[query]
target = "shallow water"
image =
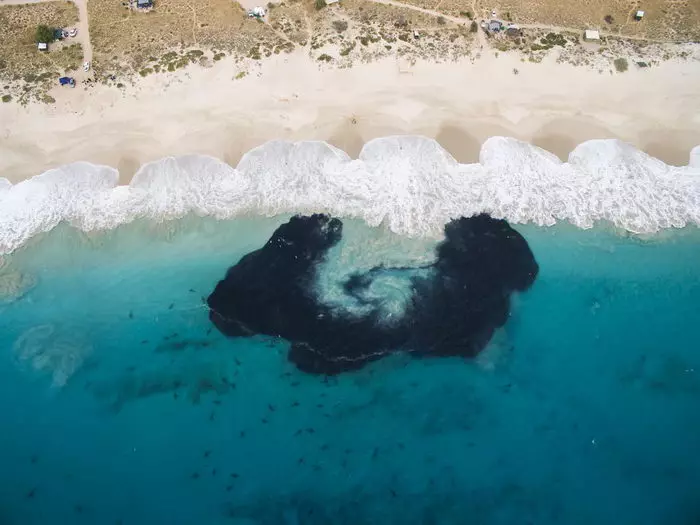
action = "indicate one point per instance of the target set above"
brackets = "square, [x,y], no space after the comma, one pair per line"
[121,404]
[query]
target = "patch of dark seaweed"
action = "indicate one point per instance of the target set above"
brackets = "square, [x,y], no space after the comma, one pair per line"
[453,311]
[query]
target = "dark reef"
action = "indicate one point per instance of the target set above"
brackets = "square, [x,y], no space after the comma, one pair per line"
[454,308]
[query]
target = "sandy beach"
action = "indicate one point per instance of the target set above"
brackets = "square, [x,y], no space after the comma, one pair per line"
[210,111]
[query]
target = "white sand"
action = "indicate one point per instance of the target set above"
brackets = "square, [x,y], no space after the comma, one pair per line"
[208,111]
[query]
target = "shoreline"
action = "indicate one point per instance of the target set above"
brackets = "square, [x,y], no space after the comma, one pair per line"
[208,111]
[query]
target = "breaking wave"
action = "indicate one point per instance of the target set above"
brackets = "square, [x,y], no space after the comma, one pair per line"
[409,183]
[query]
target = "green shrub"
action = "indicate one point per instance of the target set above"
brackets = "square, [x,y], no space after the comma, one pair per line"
[325,58]
[254,53]
[320,4]
[621,65]
[7,98]
[553,39]
[44,34]
[473,27]
[441,20]
[346,50]
[340,25]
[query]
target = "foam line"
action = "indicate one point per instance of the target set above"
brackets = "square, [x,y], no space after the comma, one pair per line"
[409,183]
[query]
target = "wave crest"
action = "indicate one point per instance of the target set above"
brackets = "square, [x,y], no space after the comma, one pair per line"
[409,183]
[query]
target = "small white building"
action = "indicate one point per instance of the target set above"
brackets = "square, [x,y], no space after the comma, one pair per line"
[639,15]
[42,46]
[591,35]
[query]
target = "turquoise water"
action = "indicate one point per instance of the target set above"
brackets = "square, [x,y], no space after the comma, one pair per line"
[121,404]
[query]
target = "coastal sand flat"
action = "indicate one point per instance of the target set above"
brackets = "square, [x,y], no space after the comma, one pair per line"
[209,111]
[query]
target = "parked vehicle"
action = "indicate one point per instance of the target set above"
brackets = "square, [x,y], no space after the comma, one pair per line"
[67,81]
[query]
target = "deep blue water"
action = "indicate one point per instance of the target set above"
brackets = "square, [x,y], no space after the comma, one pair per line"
[120,404]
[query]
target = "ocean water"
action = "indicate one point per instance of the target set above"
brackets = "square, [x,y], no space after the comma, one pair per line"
[121,403]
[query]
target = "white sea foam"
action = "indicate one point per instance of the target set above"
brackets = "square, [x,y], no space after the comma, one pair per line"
[408,183]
